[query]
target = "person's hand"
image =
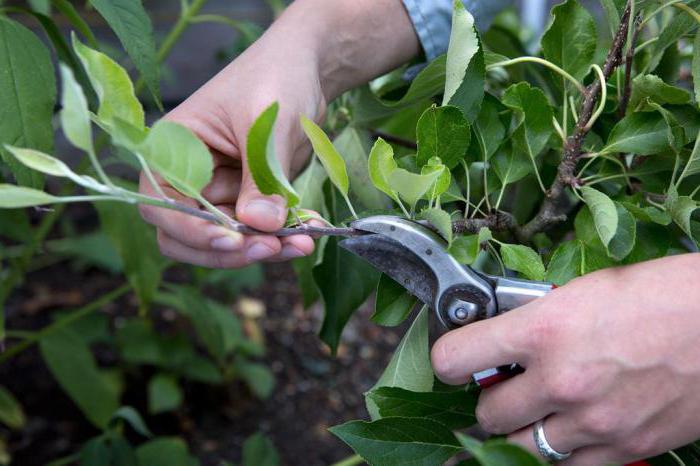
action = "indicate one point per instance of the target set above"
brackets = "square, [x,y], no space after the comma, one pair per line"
[612,364]
[314,52]
[221,113]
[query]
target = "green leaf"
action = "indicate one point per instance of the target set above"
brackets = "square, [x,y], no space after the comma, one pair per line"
[75,116]
[258,377]
[332,276]
[165,451]
[511,165]
[398,441]
[639,133]
[443,182]
[498,452]
[72,364]
[11,412]
[692,167]
[164,394]
[453,409]
[467,248]
[393,303]
[565,264]
[327,153]
[648,213]
[681,209]
[353,145]
[381,163]
[133,418]
[489,127]
[112,86]
[524,260]
[464,81]
[411,186]
[409,367]
[135,241]
[441,220]
[95,452]
[27,97]
[623,242]
[216,325]
[681,24]
[571,39]
[442,132]
[258,450]
[534,118]
[130,22]
[40,162]
[262,160]
[652,87]
[604,211]
[14,197]
[178,156]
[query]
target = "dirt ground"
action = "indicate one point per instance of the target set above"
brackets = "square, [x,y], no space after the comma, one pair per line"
[314,390]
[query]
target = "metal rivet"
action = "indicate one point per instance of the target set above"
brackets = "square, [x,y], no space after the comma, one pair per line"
[429,251]
[461,313]
[392,228]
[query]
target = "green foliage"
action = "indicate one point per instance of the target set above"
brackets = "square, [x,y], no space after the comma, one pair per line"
[262,159]
[258,450]
[27,97]
[11,412]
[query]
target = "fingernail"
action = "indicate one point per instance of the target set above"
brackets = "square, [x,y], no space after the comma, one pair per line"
[264,208]
[259,251]
[291,252]
[225,240]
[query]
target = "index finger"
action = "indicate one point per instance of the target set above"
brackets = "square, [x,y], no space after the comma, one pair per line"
[494,342]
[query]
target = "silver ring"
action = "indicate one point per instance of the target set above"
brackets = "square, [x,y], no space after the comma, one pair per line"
[543,446]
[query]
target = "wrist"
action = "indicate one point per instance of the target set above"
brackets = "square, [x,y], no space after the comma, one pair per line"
[347,42]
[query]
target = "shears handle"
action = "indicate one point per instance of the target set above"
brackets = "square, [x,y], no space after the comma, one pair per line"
[510,293]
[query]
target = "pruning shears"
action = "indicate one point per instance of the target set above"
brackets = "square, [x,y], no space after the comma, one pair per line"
[416,257]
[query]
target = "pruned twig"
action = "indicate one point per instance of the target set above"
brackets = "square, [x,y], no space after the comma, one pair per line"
[629,59]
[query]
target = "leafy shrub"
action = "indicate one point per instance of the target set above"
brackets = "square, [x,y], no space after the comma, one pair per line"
[548,166]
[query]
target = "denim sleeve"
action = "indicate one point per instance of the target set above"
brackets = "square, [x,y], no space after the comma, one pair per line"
[433,20]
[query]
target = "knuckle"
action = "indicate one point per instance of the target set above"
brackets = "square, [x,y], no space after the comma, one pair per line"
[642,445]
[147,213]
[600,423]
[568,387]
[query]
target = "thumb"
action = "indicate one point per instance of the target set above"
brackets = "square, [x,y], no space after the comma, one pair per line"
[265,213]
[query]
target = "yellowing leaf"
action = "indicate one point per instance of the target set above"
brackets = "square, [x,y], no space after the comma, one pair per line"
[178,156]
[75,116]
[327,153]
[411,186]
[262,160]
[381,163]
[14,197]
[40,162]
[112,85]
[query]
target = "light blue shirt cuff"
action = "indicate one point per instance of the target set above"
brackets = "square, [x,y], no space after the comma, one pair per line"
[432,20]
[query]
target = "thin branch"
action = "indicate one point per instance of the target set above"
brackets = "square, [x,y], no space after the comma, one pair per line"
[555,207]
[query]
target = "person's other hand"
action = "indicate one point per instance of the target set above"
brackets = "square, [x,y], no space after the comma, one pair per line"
[221,113]
[612,364]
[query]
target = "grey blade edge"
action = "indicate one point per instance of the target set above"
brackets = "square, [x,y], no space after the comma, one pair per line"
[399,263]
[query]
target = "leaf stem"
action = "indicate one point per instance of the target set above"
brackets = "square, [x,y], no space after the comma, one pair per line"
[466,174]
[350,461]
[540,61]
[603,97]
